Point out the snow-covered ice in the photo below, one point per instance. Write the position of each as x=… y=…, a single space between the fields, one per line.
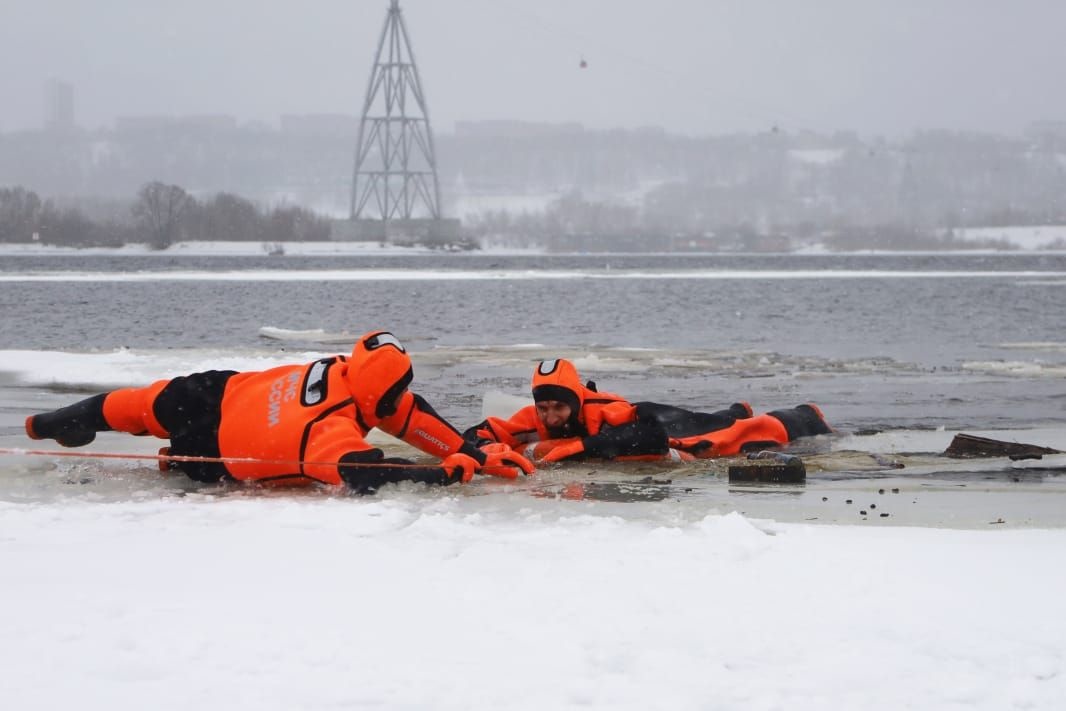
x=442 y=601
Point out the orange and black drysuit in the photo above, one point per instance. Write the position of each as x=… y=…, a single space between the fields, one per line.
x=294 y=423
x=606 y=426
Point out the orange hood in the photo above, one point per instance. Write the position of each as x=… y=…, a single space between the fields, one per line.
x=379 y=371
x=558 y=380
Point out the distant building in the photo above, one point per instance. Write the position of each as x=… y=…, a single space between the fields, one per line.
x=195 y=122
x=1047 y=128
x=515 y=129
x=58 y=105
x=1048 y=134
x=320 y=125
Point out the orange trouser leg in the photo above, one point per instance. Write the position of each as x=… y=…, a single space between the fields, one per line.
x=761 y=428
x=729 y=441
x=130 y=410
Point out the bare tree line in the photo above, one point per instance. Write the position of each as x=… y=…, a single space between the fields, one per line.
x=160 y=215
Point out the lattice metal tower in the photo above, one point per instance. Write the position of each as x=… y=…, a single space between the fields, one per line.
x=395 y=164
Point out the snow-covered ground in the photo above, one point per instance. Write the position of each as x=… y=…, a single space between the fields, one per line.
x=1021 y=238
x=416 y=600
x=223 y=248
x=256 y=249
x=1026 y=238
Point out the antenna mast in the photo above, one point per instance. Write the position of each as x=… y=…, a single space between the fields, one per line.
x=395 y=163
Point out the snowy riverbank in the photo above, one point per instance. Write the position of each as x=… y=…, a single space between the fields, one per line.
x=1013 y=239
x=274 y=603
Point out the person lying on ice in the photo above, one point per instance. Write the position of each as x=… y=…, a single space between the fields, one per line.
x=569 y=420
x=295 y=423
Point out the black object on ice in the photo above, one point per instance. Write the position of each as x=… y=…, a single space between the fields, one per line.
x=768 y=467
x=964 y=445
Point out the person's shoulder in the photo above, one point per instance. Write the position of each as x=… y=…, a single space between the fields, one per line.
x=605 y=398
x=525 y=412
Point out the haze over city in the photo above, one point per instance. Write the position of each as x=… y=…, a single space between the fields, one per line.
x=690 y=66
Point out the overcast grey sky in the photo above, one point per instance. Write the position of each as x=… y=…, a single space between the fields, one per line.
x=690 y=66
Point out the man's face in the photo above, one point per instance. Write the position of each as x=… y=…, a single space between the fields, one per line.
x=553 y=413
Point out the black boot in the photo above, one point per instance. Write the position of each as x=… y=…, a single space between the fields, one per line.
x=72 y=426
x=802 y=421
x=741 y=410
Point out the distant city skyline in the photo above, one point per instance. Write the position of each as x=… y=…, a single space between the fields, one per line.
x=58 y=105
x=689 y=66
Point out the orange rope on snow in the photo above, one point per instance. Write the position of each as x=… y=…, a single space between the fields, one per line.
x=163 y=458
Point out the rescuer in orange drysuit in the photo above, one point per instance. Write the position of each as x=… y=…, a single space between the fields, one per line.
x=573 y=420
x=294 y=423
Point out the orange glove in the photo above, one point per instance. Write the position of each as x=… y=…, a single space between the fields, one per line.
x=460 y=467
x=557 y=454
x=504 y=462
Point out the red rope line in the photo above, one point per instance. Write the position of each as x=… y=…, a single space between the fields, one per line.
x=189 y=458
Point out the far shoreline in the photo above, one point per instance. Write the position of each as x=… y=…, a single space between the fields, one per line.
x=374 y=249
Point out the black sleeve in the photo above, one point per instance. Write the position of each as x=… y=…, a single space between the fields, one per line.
x=470 y=449
x=643 y=436
x=678 y=422
x=470 y=434
x=363 y=477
